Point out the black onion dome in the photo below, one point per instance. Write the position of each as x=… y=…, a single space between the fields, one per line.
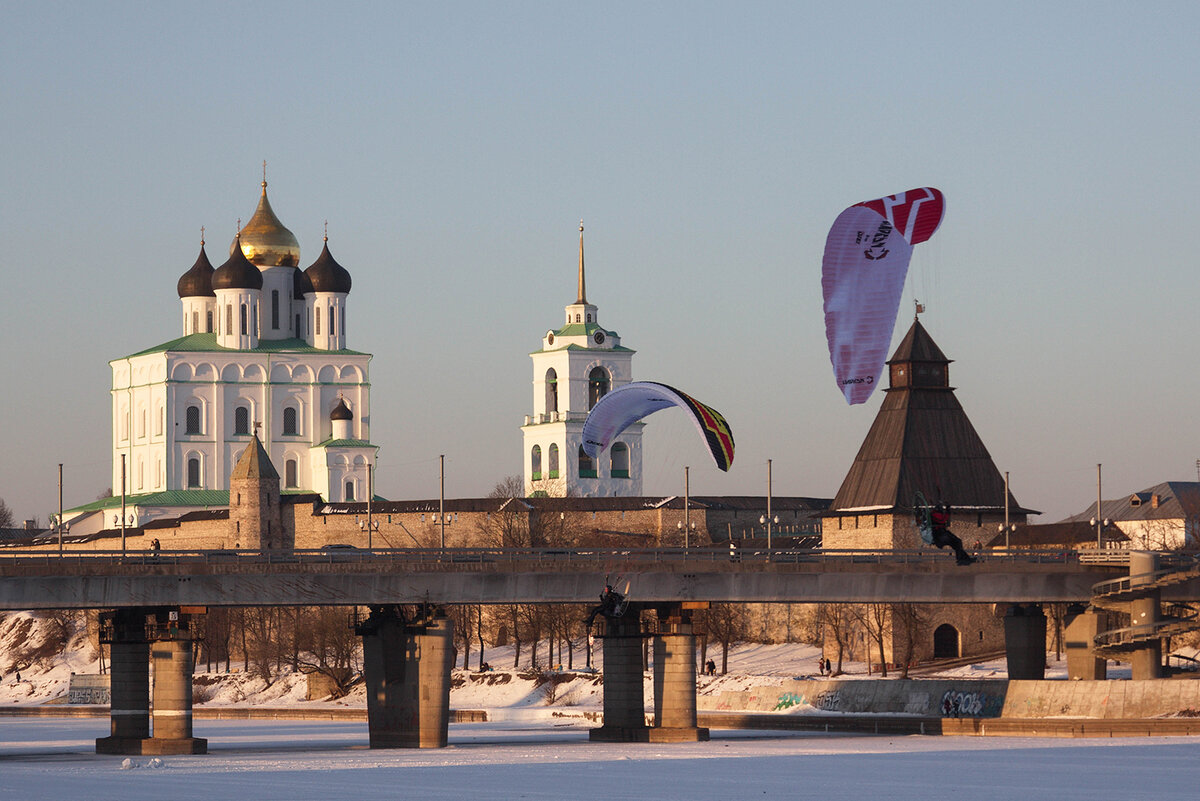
x=301 y=286
x=327 y=275
x=341 y=411
x=237 y=273
x=197 y=282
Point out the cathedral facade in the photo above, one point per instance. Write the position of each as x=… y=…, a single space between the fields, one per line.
x=263 y=353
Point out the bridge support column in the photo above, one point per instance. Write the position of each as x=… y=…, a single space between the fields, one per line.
x=1025 y=641
x=624 y=696
x=172 y=717
x=129 y=694
x=675 y=681
x=407 y=670
x=1145 y=661
x=1083 y=624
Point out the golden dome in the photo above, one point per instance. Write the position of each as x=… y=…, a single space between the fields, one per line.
x=266 y=242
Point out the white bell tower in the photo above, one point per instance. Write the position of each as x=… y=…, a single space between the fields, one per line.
x=577 y=365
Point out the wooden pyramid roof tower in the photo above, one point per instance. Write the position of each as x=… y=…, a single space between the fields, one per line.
x=921 y=441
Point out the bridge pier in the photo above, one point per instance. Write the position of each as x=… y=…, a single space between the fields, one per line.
x=1083 y=624
x=1025 y=641
x=132 y=645
x=675 y=680
x=624 y=696
x=407 y=666
x=1146 y=660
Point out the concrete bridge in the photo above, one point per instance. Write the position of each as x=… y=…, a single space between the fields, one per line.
x=101 y=580
x=407 y=659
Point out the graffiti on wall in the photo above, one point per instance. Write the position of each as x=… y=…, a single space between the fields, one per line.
x=973 y=704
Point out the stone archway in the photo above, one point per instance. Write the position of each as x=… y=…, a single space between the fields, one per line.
x=945 y=642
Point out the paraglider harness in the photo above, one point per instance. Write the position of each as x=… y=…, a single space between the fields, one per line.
x=612 y=604
x=933 y=523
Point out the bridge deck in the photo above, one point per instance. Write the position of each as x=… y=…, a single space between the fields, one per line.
x=42 y=580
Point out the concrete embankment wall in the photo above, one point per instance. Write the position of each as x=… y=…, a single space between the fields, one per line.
x=975 y=698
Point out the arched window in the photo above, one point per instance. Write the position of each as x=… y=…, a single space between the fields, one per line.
x=289 y=473
x=158 y=426
x=208 y=316
x=535 y=463
x=195 y=322
x=141 y=428
x=241 y=420
x=299 y=333
x=945 y=642
x=291 y=425
x=587 y=466
x=576 y=318
x=597 y=385
x=551 y=390
x=193 y=472
x=349 y=490
x=552 y=461
x=242 y=316
x=317 y=321
x=620 y=460
x=332 y=320
x=228 y=318
x=192 y=420
x=275 y=308
x=342 y=320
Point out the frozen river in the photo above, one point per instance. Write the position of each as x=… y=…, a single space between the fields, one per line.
x=44 y=758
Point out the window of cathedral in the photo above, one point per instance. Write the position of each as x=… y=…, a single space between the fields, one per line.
x=342 y=322
x=576 y=318
x=123 y=422
x=228 y=318
x=193 y=472
x=158 y=426
x=535 y=463
x=587 y=467
x=620 y=460
x=551 y=390
x=552 y=461
x=275 y=309
x=192 y=420
x=291 y=424
x=289 y=474
x=598 y=382
x=242 y=318
x=332 y=320
x=241 y=420
x=141 y=429
x=317 y=321
x=195 y=322
x=209 y=327
x=349 y=490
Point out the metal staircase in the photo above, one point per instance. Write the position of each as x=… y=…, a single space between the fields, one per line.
x=1116 y=595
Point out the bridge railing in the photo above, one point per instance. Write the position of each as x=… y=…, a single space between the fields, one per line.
x=719 y=558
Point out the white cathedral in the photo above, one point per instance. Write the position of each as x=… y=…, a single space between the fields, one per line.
x=263 y=352
x=576 y=366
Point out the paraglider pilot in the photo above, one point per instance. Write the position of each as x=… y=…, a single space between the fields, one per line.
x=610 y=604
x=940 y=518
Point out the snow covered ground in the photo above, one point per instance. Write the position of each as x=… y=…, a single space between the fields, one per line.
x=293 y=761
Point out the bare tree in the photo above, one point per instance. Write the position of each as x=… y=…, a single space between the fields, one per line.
x=727 y=624
x=876 y=623
x=6 y=515
x=836 y=622
x=328 y=645
x=909 y=626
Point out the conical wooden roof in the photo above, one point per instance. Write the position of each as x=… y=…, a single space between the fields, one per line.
x=254 y=462
x=921 y=441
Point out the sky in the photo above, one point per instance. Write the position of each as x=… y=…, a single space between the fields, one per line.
x=453 y=148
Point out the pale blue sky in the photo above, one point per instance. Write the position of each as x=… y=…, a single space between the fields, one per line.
x=453 y=148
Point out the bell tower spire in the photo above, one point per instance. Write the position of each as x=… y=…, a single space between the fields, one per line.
x=582 y=299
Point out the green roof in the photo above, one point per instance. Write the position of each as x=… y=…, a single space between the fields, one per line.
x=346 y=443
x=207 y=343
x=195 y=497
